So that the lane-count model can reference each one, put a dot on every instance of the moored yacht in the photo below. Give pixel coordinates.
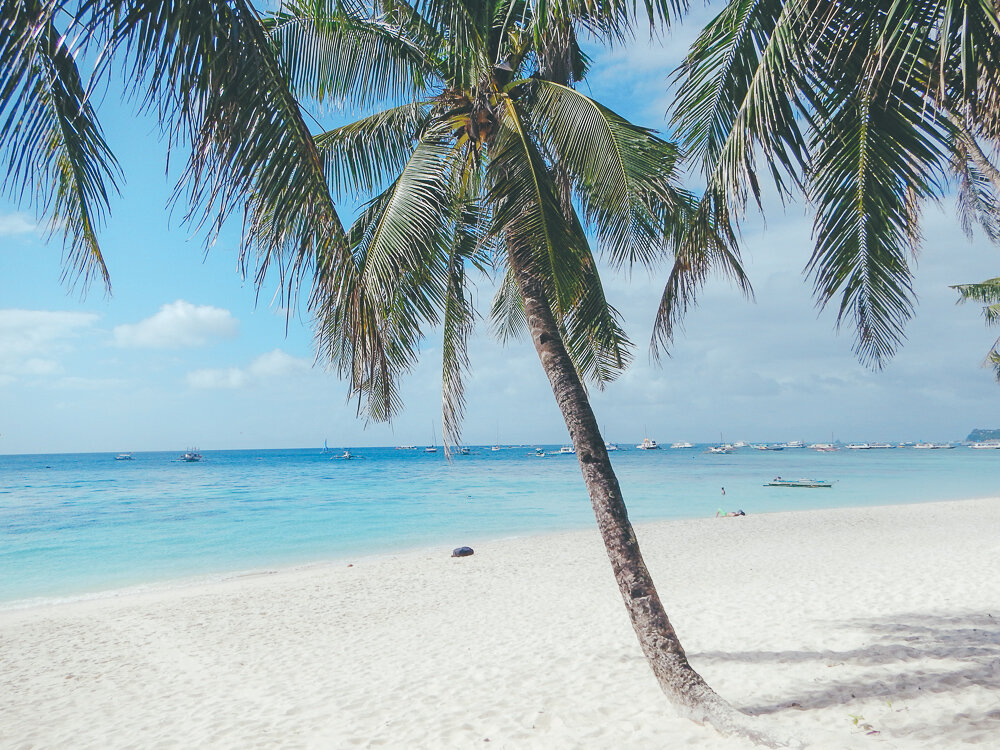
(647, 444)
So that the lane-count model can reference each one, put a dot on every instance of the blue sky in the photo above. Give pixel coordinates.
(184, 352)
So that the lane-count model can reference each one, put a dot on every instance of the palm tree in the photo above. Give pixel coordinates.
(481, 153)
(485, 156)
(988, 293)
(866, 109)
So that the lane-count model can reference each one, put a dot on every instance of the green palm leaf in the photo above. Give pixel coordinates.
(703, 241)
(622, 174)
(358, 157)
(372, 315)
(986, 293)
(336, 50)
(539, 236)
(736, 94)
(211, 72)
(49, 135)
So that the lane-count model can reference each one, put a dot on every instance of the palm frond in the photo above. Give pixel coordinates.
(464, 30)
(359, 157)
(336, 50)
(703, 241)
(622, 174)
(552, 246)
(212, 73)
(50, 138)
(737, 94)
(875, 152)
(986, 292)
(458, 323)
(507, 312)
(372, 316)
(977, 198)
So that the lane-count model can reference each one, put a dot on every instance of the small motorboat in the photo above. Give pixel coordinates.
(123, 457)
(779, 482)
(191, 456)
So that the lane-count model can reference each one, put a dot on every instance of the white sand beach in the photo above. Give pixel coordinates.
(853, 628)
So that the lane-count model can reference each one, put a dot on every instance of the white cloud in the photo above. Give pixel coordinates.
(29, 339)
(232, 377)
(277, 364)
(177, 325)
(17, 223)
(27, 333)
(273, 365)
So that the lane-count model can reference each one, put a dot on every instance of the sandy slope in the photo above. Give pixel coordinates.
(805, 619)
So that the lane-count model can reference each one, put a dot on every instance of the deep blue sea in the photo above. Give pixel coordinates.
(75, 524)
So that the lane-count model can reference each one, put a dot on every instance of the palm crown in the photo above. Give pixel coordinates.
(485, 156)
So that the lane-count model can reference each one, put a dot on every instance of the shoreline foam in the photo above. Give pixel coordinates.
(803, 618)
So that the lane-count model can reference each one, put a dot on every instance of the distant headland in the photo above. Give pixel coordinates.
(978, 435)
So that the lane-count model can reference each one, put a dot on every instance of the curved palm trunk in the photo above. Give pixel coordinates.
(681, 683)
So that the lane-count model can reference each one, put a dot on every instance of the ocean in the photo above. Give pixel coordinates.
(76, 525)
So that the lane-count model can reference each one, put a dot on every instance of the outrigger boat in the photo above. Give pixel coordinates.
(779, 482)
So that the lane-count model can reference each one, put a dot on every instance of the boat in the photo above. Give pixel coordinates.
(406, 447)
(123, 457)
(566, 450)
(432, 448)
(346, 455)
(859, 447)
(538, 452)
(720, 449)
(463, 451)
(934, 446)
(647, 444)
(823, 447)
(779, 482)
(326, 449)
(766, 447)
(793, 444)
(190, 456)
(979, 446)
(873, 446)
(610, 447)
(682, 445)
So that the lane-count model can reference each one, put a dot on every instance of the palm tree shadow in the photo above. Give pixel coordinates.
(913, 642)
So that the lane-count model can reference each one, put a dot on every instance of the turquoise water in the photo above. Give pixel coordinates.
(73, 524)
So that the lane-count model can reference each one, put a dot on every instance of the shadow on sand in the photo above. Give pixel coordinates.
(919, 654)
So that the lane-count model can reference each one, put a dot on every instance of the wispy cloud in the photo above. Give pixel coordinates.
(273, 365)
(178, 325)
(30, 340)
(16, 223)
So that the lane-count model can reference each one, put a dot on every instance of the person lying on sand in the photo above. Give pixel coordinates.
(720, 513)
